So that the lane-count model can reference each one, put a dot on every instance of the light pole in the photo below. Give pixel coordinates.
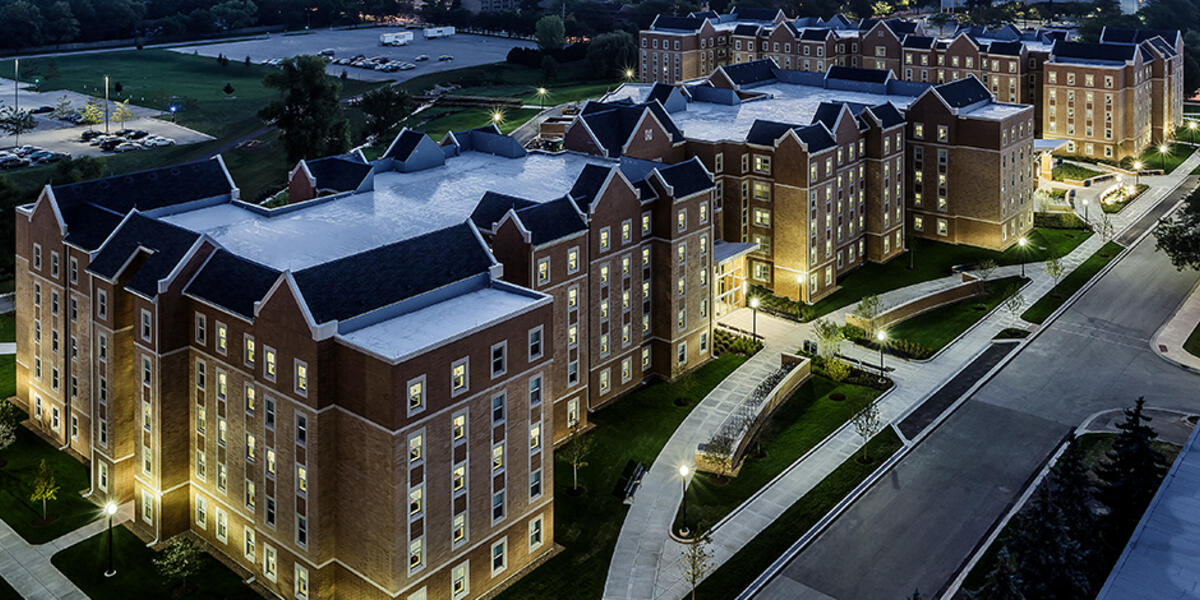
(106, 105)
(110, 509)
(1162, 151)
(754, 306)
(629, 74)
(541, 92)
(1023, 243)
(684, 471)
(497, 117)
(1192, 129)
(1137, 172)
(881, 337)
(1085, 210)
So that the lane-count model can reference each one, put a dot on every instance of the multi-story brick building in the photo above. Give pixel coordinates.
(357, 395)
(676, 49)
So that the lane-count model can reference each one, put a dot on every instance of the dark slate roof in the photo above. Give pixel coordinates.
(337, 173)
(816, 137)
(1093, 51)
(687, 178)
(357, 284)
(493, 206)
(867, 24)
(1120, 35)
(857, 74)
(552, 220)
(922, 42)
(746, 29)
(888, 114)
(750, 72)
(92, 209)
(1005, 48)
(587, 185)
(1163, 46)
(707, 14)
(815, 35)
(827, 112)
(764, 133)
(660, 92)
(167, 242)
(755, 14)
(613, 122)
(1147, 55)
(963, 92)
(900, 27)
(404, 145)
(213, 282)
(677, 23)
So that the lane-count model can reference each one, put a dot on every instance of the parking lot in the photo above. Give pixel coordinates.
(467, 50)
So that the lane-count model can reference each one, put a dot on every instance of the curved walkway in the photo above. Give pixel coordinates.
(1168, 342)
(645, 563)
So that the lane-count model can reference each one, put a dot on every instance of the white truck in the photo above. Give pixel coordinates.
(401, 38)
(438, 32)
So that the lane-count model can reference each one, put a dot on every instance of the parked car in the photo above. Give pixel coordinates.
(126, 147)
(421, 57)
(137, 134)
(155, 141)
(46, 156)
(445, 57)
(111, 143)
(25, 150)
(12, 162)
(327, 52)
(407, 66)
(42, 110)
(89, 135)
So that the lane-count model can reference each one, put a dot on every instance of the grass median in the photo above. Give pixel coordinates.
(66, 513)
(754, 558)
(940, 326)
(1192, 344)
(812, 412)
(634, 428)
(8, 327)
(1048, 303)
(1074, 172)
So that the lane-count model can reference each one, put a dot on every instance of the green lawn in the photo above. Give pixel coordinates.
(1011, 333)
(1072, 282)
(934, 259)
(1094, 446)
(938, 327)
(7, 592)
(1192, 345)
(437, 121)
(737, 573)
(574, 82)
(1066, 171)
(85, 563)
(1120, 199)
(8, 327)
(8, 376)
(634, 428)
(1176, 154)
(69, 512)
(807, 417)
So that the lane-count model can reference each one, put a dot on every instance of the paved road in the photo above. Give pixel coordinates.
(914, 528)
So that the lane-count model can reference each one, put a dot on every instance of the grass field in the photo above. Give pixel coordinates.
(634, 428)
(437, 121)
(737, 573)
(807, 417)
(8, 327)
(1120, 199)
(938, 327)
(8, 376)
(1192, 345)
(573, 83)
(933, 259)
(1094, 446)
(85, 563)
(69, 512)
(1066, 171)
(1071, 283)
(1176, 154)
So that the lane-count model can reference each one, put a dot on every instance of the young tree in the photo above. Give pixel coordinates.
(8, 434)
(384, 108)
(92, 113)
(575, 453)
(1014, 303)
(307, 110)
(1003, 581)
(696, 561)
(1131, 471)
(1105, 228)
(15, 121)
(837, 369)
(987, 267)
(122, 114)
(868, 310)
(44, 486)
(1049, 560)
(179, 561)
(550, 33)
(1055, 268)
(867, 422)
(62, 109)
(829, 338)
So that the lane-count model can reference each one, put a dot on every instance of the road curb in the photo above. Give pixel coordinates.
(1154, 345)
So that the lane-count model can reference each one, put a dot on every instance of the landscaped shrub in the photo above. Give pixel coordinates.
(780, 307)
(1064, 220)
(896, 347)
(725, 341)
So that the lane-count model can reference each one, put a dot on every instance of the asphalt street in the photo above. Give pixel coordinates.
(914, 528)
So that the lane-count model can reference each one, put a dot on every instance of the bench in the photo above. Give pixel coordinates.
(631, 479)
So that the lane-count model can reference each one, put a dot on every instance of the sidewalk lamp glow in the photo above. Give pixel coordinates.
(754, 305)
(541, 92)
(110, 509)
(1162, 151)
(684, 471)
(1192, 129)
(497, 117)
(1023, 243)
(1137, 172)
(629, 74)
(881, 336)
(1085, 209)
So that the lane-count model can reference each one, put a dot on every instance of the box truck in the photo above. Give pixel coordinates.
(402, 38)
(438, 32)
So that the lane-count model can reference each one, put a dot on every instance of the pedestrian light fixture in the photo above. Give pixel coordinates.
(754, 306)
(1137, 172)
(1023, 243)
(1162, 151)
(110, 509)
(628, 73)
(684, 471)
(541, 92)
(881, 336)
(1192, 129)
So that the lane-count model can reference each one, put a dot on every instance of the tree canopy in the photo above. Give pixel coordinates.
(307, 111)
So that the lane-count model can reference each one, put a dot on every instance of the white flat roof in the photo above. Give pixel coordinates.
(996, 110)
(412, 332)
(403, 205)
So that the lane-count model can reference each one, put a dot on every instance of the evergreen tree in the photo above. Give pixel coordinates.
(1131, 472)
(1003, 581)
(1073, 492)
(1049, 561)
(307, 111)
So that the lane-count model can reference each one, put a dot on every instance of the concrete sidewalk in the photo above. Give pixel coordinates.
(27, 567)
(645, 563)
(1168, 342)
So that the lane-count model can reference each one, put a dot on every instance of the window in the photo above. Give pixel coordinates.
(943, 133)
(498, 456)
(222, 526)
(201, 512)
(146, 324)
(249, 398)
(270, 512)
(762, 164)
(269, 367)
(458, 478)
(269, 417)
(499, 556)
(101, 304)
(249, 494)
(201, 329)
(301, 384)
(248, 351)
(222, 338)
(301, 580)
(147, 506)
(604, 238)
(458, 427)
(573, 260)
(535, 533)
(499, 364)
(605, 382)
(498, 409)
(535, 343)
(415, 497)
(535, 390)
(459, 377)
(572, 412)
(416, 394)
(415, 447)
(543, 271)
(535, 436)
(269, 562)
(626, 231)
(762, 218)
(535, 484)
(681, 353)
(498, 506)
(248, 543)
(222, 478)
(416, 550)
(37, 256)
(270, 466)
(103, 478)
(74, 264)
(681, 219)
(645, 223)
(460, 583)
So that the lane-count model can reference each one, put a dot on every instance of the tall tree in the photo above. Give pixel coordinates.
(384, 108)
(1131, 471)
(1071, 482)
(609, 54)
(550, 33)
(307, 110)
(21, 24)
(1178, 236)
(1049, 560)
(180, 561)
(61, 25)
(235, 14)
(1003, 581)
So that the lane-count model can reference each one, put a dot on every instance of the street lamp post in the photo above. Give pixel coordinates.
(754, 305)
(1137, 172)
(1023, 243)
(106, 105)
(541, 92)
(684, 471)
(1085, 210)
(881, 337)
(629, 74)
(110, 509)
(1162, 151)
(1192, 129)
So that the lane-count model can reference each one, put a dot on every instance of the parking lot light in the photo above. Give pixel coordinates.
(541, 92)
(629, 74)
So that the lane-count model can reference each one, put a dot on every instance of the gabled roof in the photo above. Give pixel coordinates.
(89, 225)
(706, 14)
(764, 133)
(888, 114)
(232, 282)
(404, 144)
(746, 29)
(750, 72)
(857, 74)
(963, 92)
(1163, 46)
(660, 92)
(151, 189)
(901, 27)
(755, 14)
(816, 137)
(493, 206)
(613, 122)
(1121, 35)
(815, 35)
(1093, 51)
(167, 245)
(363, 282)
(338, 173)
(687, 178)
(552, 220)
(672, 23)
(828, 112)
(588, 184)
(918, 42)
(1005, 48)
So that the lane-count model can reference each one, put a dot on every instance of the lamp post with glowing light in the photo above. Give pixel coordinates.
(629, 74)
(684, 471)
(1192, 129)
(754, 306)
(541, 92)
(106, 105)
(881, 337)
(1162, 151)
(1022, 243)
(110, 509)
(1085, 209)
(1137, 172)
